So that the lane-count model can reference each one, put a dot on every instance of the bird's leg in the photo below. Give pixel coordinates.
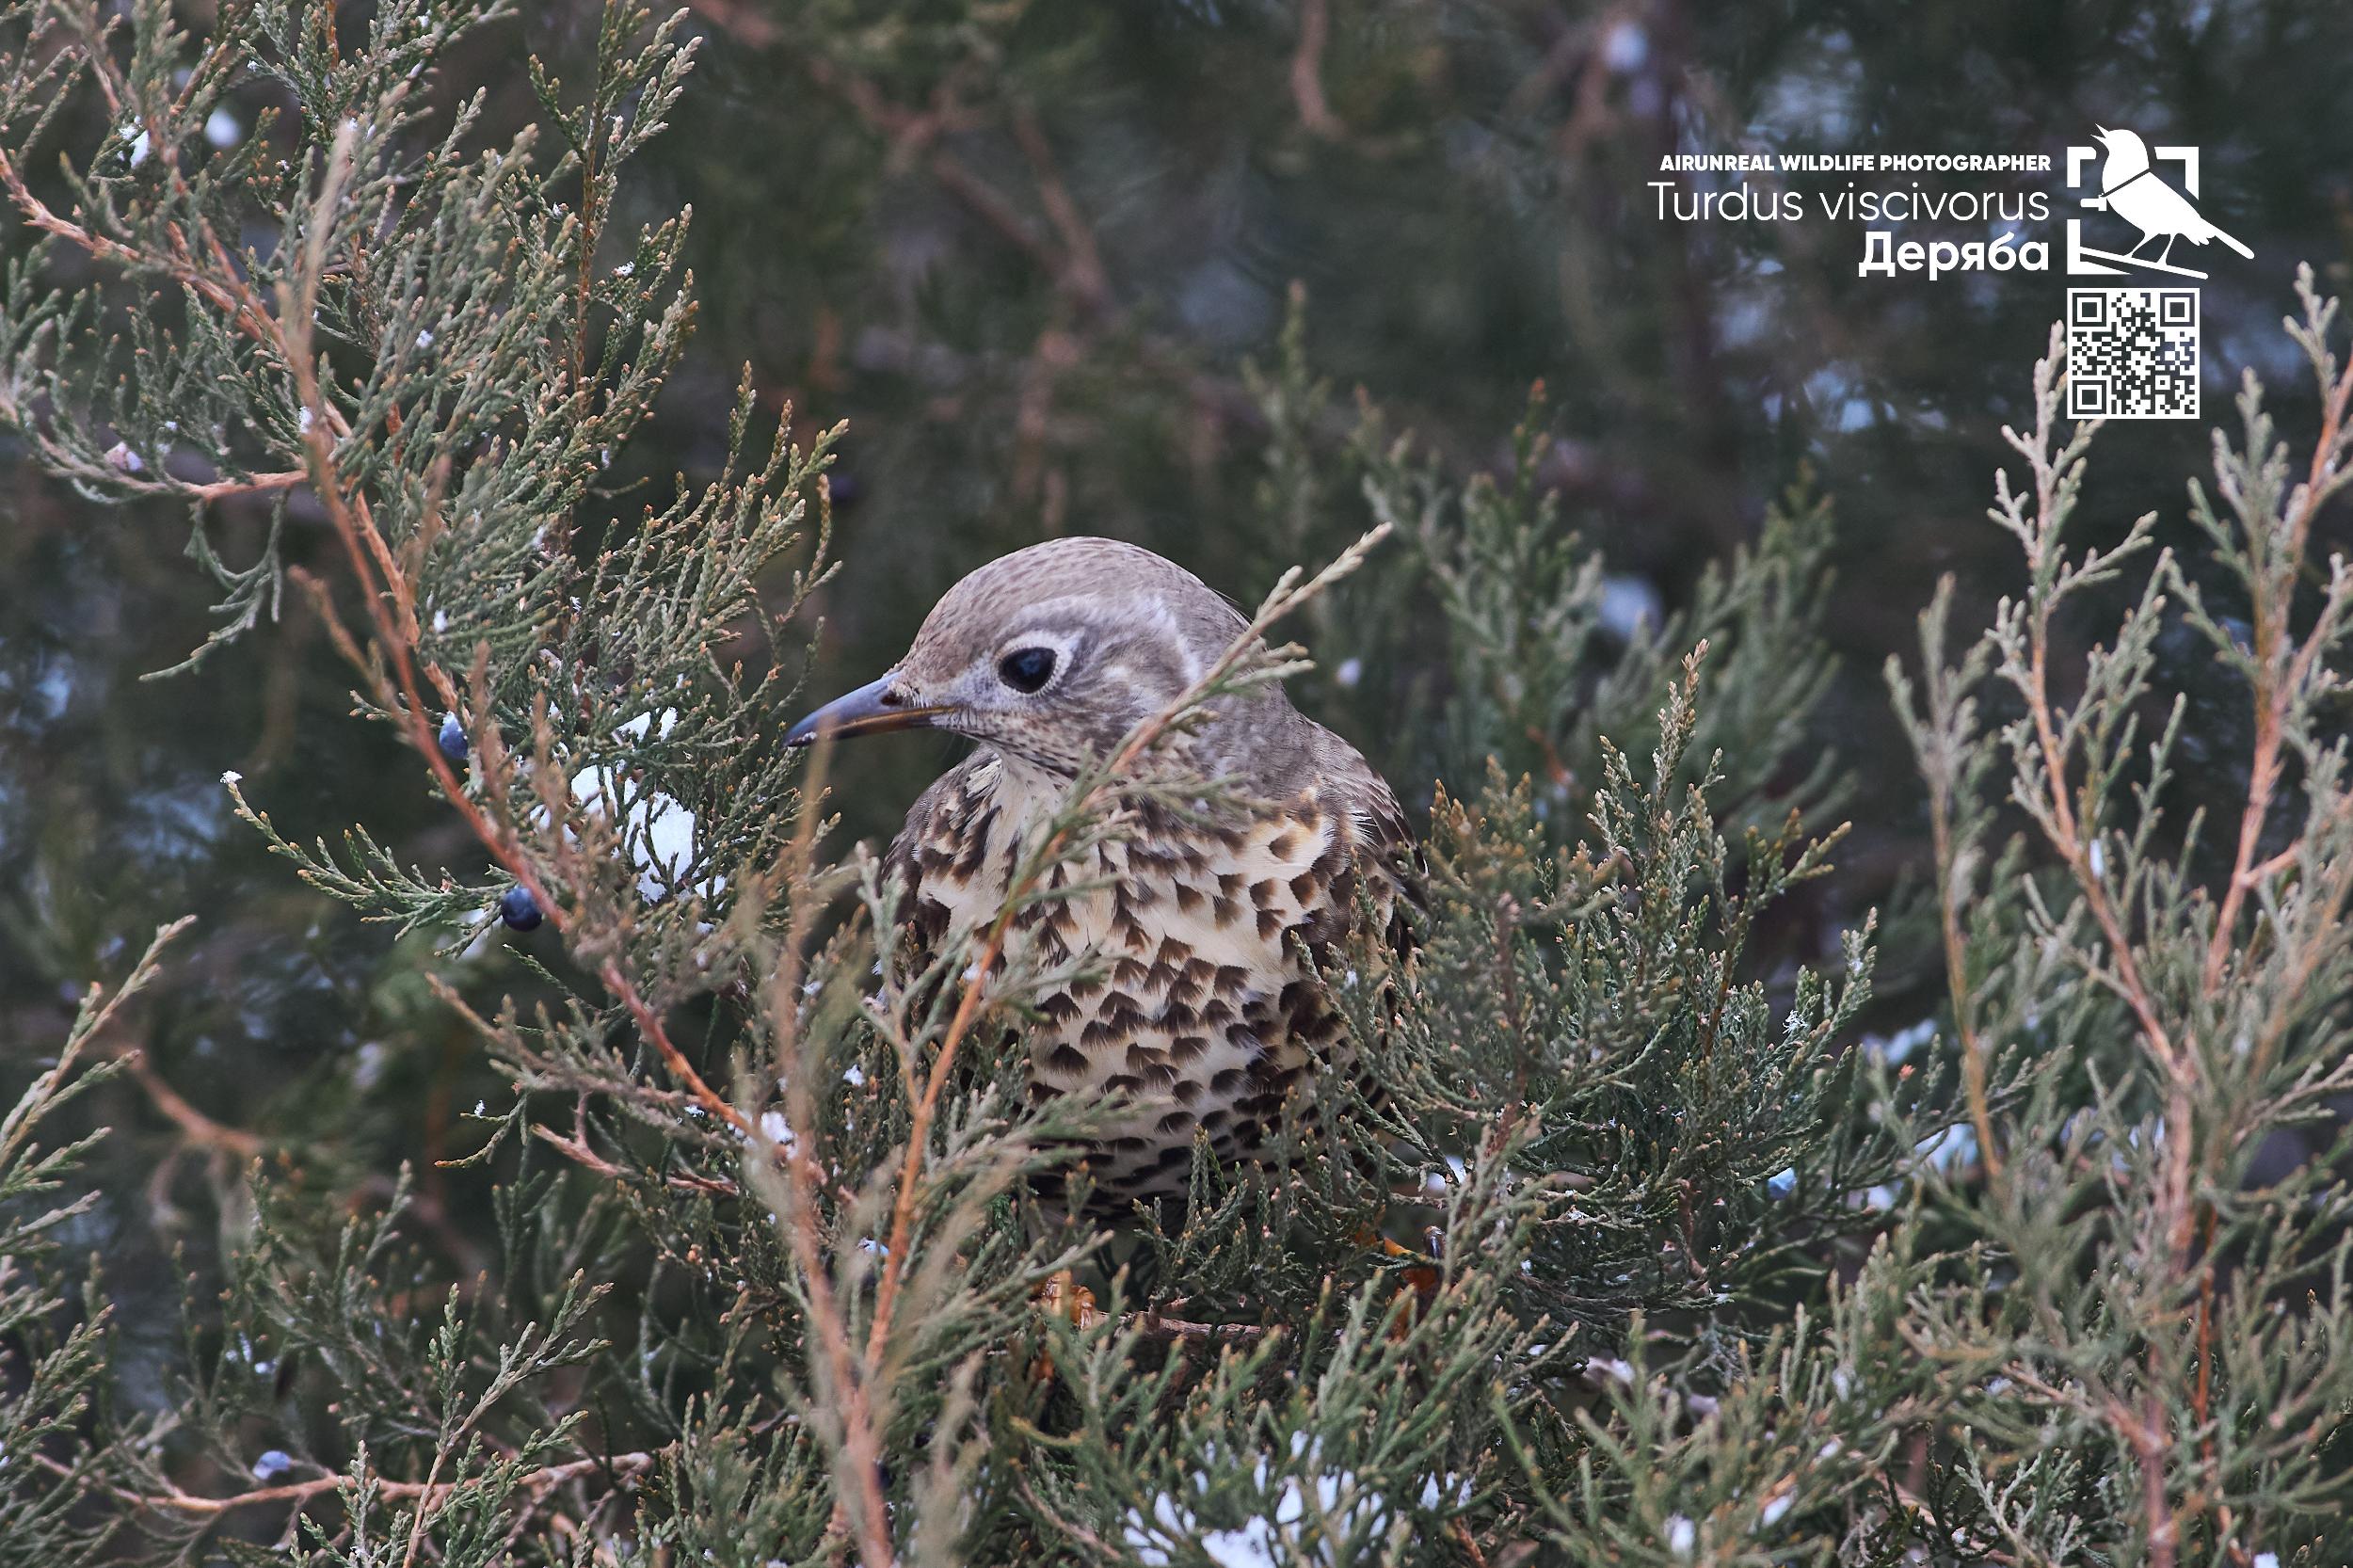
(2169, 249)
(2144, 240)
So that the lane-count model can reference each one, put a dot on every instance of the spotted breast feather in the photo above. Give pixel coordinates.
(1198, 1004)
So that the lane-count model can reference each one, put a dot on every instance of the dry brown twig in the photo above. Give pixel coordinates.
(1315, 112)
(303, 1493)
(202, 1131)
(2272, 636)
(1972, 1052)
(854, 1382)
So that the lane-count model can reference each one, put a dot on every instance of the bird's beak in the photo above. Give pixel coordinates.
(2100, 135)
(869, 711)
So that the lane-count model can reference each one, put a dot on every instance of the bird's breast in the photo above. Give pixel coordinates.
(1177, 961)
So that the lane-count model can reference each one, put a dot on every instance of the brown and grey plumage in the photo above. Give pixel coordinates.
(1203, 1009)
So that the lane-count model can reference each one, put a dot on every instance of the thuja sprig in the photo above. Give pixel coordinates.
(2180, 1018)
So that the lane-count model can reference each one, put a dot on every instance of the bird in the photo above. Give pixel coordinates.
(1199, 940)
(2129, 186)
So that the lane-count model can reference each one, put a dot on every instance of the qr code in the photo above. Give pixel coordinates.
(2132, 353)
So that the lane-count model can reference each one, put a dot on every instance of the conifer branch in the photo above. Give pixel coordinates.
(2280, 665)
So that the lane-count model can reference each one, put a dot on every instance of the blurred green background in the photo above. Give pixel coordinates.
(1024, 250)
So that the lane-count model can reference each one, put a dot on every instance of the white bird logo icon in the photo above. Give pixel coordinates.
(2131, 188)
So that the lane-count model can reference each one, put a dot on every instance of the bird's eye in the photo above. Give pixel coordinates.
(1026, 669)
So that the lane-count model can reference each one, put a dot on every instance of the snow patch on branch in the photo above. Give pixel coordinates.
(1345, 1515)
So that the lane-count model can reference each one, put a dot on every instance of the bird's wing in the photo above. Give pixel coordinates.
(1381, 839)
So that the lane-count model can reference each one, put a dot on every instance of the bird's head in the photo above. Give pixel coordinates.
(1051, 654)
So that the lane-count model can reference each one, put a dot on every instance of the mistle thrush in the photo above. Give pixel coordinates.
(1203, 1007)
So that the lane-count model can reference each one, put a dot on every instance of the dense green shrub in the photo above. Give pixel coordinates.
(1685, 1265)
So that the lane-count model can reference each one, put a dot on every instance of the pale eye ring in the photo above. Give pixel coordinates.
(1026, 669)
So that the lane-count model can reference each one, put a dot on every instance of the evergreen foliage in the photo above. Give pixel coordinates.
(1646, 1254)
